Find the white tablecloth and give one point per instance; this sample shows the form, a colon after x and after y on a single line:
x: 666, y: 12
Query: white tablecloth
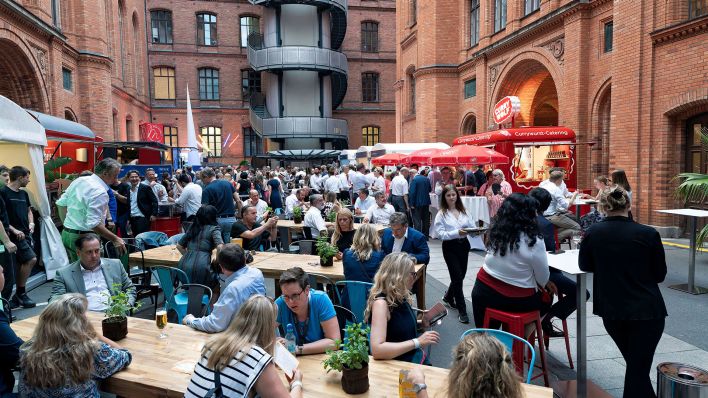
x: 476, y: 208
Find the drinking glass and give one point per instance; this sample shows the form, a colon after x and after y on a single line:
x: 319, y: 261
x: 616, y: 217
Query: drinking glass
x: 161, y: 321
x: 576, y: 238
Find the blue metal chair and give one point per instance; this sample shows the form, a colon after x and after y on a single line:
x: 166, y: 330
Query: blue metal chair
x: 354, y: 295
x: 508, y: 340
x: 171, y: 279
x: 172, y: 240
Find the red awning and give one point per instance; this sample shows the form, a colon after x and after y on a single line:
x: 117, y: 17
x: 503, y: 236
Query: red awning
x: 523, y: 134
x: 389, y: 159
x: 467, y: 155
x: 421, y: 156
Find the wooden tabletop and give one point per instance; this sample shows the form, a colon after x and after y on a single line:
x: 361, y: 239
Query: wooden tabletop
x: 162, y: 368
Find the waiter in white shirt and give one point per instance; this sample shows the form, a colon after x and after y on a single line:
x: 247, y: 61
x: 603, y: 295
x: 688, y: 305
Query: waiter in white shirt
x: 191, y: 197
x: 345, y: 184
x: 333, y: 183
x: 399, y: 192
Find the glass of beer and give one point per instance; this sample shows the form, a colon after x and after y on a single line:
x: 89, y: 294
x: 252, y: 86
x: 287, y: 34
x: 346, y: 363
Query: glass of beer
x: 161, y: 321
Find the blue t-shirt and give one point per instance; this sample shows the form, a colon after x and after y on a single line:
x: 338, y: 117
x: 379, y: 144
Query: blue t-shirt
x: 321, y: 309
x: 219, y: 193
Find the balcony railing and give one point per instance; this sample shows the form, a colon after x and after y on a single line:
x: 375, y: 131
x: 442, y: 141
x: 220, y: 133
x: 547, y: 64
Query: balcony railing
x: 263, y: 58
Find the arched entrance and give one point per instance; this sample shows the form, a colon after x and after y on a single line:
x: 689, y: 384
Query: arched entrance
x: 18, y: 79
x: 601, y: 133
x: 469, y: 125
x: 531, y: 81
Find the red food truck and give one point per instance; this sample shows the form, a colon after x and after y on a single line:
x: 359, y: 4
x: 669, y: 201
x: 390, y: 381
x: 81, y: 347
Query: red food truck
x: 532, y: 151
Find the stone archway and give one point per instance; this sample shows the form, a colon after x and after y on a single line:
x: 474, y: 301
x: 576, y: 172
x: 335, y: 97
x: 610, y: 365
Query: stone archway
x: 469, y: 124
x: 531, y: 81
x: 18, y: 78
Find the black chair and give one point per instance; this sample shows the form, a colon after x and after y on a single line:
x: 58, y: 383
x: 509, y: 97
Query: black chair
x: 325, y: 284
x: 7, y: 308
x: 306, y: 246
x: 198, y: 299
x: 139, y: 275
x: 307, y: 231
x: 344, y: 316
x: 284, y: 240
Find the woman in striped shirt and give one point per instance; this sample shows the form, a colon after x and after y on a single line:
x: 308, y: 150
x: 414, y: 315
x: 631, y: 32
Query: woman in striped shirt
x: 240, y: 360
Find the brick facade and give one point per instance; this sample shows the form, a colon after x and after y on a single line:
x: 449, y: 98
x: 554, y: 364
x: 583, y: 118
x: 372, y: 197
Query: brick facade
x: 111, y: 56
x: 633, y: 101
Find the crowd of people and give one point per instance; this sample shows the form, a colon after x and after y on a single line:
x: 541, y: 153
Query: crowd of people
x: 97, y: 208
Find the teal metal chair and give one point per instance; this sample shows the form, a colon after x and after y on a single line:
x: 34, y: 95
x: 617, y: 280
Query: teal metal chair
x: 354, y: 295
x: 508, y: 340
x: 171, y: 280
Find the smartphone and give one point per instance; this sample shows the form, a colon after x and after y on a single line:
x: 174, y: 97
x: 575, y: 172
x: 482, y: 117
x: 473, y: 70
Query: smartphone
x: 435, y: 313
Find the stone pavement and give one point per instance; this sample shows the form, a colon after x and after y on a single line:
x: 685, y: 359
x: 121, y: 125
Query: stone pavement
x: 606, y: 366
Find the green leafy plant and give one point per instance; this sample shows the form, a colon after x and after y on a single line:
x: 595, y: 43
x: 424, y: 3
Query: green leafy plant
x: 119, y: 303
x: 297, y: 212
x: 332, y: 216
x: 50, y: 173
x: 346, y: 202
x: 325, y: 249
x: 693, y: 188
x: 355, y: 349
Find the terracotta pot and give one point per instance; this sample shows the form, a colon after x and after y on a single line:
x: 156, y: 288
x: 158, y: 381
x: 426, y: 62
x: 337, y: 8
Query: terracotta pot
x: 297, y: 220
x: 355, y: 381
x: 115, y: 328
x: 328, y: 263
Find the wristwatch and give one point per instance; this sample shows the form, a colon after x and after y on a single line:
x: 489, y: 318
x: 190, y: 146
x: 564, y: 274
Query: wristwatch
x: 419, y: 387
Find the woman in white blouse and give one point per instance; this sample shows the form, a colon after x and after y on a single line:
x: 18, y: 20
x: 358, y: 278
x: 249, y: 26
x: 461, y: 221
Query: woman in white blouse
x: 515, y: 271
x: 450, y: 223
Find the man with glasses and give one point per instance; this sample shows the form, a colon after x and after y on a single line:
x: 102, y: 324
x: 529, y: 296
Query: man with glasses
x: 399, y: 237
x: 241, y: 283
x: 310, y: 311
x: 92, y: 276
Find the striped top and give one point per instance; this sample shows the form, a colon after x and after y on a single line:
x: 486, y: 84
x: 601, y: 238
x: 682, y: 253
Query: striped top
x: 237, y: 379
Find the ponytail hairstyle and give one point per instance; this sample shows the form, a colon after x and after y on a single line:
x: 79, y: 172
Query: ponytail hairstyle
x: 482, y: 367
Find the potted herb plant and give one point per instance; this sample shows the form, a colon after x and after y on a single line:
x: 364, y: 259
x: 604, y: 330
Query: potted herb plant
x: 332, y: 216
x: 352, y: 360
x: 326, y: 251
x: 297, y: 214
x: 115, y: 325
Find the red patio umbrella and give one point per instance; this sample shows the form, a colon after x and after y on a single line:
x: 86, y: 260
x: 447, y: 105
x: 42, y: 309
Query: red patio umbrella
x: 389, y: 159
x: 467, y: 155
x: 421, y: 156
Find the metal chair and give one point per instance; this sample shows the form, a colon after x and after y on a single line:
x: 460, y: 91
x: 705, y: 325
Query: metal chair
x: 508, y: 340
x: 170, y: 279
x: 354, y: 295
x: 198, y: 298
x: 172, y: 240
x: 141, y: 277
x: 344, y: 317
x: 324, y: 283
x: 305, y: 246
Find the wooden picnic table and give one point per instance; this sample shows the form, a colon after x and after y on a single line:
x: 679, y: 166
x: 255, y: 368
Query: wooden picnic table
x: 163, y: 367
x: 272, y: 265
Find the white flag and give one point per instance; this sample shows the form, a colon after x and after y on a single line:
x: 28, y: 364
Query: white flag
x: 193, y: 158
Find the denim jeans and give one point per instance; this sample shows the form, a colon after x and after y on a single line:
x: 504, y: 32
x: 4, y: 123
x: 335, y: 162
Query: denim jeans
x: 225, y: 223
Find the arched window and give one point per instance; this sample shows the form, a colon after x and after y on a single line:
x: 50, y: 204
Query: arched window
x: 69, y: 115
x: 411, y: 92
x: 137, y: 73
x: 249, y: 24
x: 161, y: 24
x: 206, y: 29
x: 469, y: 126
x: 121, y: 29
x: 370, y: 37
x: 211, y: 140
x: 164, y: 82
x: 208, y: 84
x: 371, y: 135
x: 370, y: 87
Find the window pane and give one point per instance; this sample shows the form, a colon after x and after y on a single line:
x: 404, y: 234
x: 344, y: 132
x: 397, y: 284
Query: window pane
x: 608, y: 36
x: 248, y: 25
x: 67, y: 79
x: 470, y: 88
x: 697, y: 8
x: 531, y: 6
x: 499, y: 15
x: 474, y: 22
x: 212, y: 137
x: 370, y: 135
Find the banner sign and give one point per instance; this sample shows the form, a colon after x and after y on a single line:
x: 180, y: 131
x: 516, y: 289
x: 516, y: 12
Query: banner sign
x: 151, y: 132
x: 505, y: 109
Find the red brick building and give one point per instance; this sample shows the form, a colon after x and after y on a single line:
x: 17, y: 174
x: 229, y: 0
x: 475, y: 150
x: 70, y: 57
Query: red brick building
x: 631, y: 76
x: 112, y: 65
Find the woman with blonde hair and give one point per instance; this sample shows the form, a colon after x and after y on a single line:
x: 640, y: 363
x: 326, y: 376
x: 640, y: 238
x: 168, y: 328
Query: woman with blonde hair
x: 481, y: 367
x: 240, y: 360
x: 65, y: 355
x: 394, y: 325
x: 343, y: 235
x: 362, y: 260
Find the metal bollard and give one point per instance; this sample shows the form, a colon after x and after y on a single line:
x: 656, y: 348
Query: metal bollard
x: 676, y: 380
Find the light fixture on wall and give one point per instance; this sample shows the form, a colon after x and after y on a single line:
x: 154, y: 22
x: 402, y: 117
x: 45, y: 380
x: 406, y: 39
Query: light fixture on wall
x: 82, y: 155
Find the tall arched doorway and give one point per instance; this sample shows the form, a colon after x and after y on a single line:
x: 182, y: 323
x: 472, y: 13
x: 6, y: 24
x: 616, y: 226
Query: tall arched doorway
x: 469, y: 125
x: 18, y: 78
x: 601, y: 133
x: 533, y: 84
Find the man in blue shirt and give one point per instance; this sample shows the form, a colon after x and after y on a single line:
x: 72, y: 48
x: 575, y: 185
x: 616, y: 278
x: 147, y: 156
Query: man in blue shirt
x: 419, y: 201
x: 399, y: 237
x: 310, y: 312
x: 241, y: 283
x: 222, y: 195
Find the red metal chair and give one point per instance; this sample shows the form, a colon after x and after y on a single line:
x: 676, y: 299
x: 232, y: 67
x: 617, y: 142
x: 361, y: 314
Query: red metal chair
x: 546, y: 340
x: 515, y: 324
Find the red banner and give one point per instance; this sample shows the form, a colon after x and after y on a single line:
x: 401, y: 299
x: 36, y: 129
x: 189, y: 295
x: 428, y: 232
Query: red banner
x: 151, y: 132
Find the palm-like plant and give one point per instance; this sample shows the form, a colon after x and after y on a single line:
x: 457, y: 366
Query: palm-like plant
x: 694, y: 188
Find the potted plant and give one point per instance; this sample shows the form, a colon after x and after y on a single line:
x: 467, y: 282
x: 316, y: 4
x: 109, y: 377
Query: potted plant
x: 326, y: 251
x: 115, y: 325
x: 332, y: 216
x: 297, y: 214
x: 352, y: 360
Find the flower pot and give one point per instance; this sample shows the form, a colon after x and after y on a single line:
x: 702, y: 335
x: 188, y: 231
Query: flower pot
x: 115, y: 328
x: 355, y: 381
x: 327, y: 263
x: 297, y: 220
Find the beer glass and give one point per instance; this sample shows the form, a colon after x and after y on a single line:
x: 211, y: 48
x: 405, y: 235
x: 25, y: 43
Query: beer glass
x: 161, y: 321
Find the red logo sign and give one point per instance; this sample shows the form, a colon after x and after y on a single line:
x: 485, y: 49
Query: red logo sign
x: 151, y: 132
x: 505, y: 109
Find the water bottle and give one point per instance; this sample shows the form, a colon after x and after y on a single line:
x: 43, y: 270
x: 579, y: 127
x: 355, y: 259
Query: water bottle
x: 290, y: 344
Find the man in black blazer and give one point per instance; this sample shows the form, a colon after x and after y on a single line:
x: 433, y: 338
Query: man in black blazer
x: 142, y: 202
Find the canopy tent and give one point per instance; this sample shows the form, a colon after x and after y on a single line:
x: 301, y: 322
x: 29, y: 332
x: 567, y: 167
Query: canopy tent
x: 406, y: 148
x: 22, y: 140
x: 421, y: 156
x: 302, y: 154
x: 62, y: 129
x: 389, y: 159
x: 467, y: 155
